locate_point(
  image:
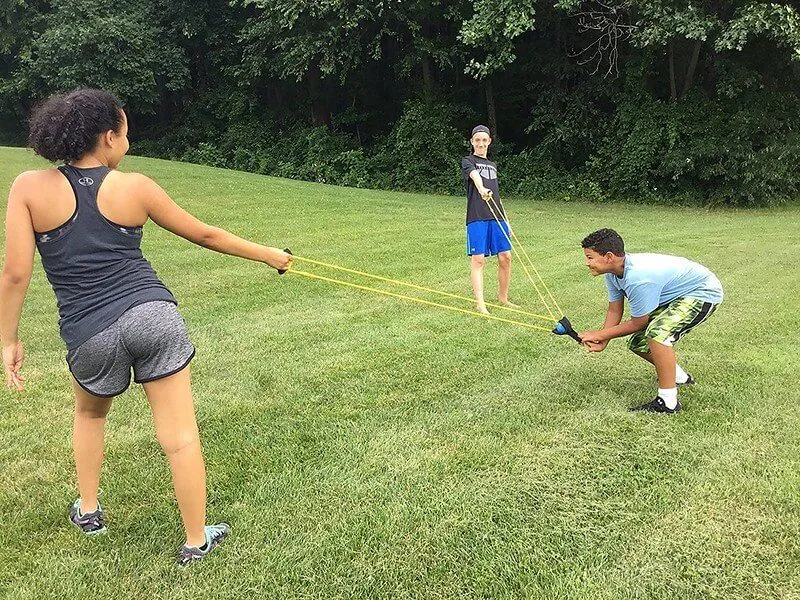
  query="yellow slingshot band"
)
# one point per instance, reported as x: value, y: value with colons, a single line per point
x: 496, y: 211
x: 419, y: 287
x: 412, y: 299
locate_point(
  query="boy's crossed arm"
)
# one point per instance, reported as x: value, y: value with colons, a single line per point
x: 597, y: 340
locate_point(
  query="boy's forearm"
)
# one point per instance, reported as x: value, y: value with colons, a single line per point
x: 621, y: 330
x: 613, y: 317
x: 12, y: 297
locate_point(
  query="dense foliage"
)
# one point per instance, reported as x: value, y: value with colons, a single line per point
x: 648, y: 100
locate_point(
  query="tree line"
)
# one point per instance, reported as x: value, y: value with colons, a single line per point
x: 644, y: 100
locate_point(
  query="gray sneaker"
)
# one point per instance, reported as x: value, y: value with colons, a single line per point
x: 91, y: 523
x: 214, y: 535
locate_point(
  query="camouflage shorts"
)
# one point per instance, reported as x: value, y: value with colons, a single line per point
x: 669, y: 322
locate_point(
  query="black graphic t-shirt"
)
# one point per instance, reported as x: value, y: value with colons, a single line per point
x: 477, y: 208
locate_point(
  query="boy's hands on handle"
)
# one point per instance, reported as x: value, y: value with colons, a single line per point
x: 489, y: 195
x: 595, y: 346
x: 13, y: 357
x: 593, y: 341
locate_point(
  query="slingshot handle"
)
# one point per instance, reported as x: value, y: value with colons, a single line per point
x: 564, y: 327
x: 282, y: 271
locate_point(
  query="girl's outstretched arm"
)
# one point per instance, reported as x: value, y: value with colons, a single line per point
x: 166, y: 213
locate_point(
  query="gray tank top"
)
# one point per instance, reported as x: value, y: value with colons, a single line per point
x: 95, y: 266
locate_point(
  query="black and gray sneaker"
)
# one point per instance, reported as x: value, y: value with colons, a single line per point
x: 90, y: 523
x: 214, y: 535
x: 689, y: 381
x: 657, y: 405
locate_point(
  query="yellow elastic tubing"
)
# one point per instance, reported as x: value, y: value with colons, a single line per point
x: 412, y: 299
x: 422, y: 288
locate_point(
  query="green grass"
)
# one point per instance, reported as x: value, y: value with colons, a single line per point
x: 364, y: 447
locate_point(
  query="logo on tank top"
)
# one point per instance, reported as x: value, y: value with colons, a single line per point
x: 86, y: 181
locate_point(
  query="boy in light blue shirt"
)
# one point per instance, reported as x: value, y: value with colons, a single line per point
x: 668, y: 296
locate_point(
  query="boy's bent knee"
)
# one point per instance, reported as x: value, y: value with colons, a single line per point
x: 652, y: 342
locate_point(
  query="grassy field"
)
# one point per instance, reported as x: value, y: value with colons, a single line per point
x: 366, y: 447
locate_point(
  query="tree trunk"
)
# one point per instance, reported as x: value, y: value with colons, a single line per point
x: 491, y: 112
x: 21, y: 113
x: 673, y: 94
x: 164, y: 112
x: 711, y: 79
x: 687, y: 82
x: 320, y: 114
x: 427, y: 77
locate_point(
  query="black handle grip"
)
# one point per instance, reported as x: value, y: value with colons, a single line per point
x: 564, y: 327
x: 574, y: 336
x: 282, y: 271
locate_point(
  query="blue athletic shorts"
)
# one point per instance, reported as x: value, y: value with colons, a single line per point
x: 486, y: 237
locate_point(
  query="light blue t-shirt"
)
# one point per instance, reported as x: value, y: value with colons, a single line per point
x: 653, y: 280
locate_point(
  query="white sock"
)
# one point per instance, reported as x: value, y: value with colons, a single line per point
x: 669, y: 396
x: 681, y: 376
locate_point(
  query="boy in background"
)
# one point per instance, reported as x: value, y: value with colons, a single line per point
x: 485, y: 236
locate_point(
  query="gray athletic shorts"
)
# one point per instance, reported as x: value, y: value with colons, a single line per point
x: 150, y: 338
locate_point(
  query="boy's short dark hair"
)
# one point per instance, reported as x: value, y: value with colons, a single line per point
x: 66, y: 126
x: 603, y: 241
